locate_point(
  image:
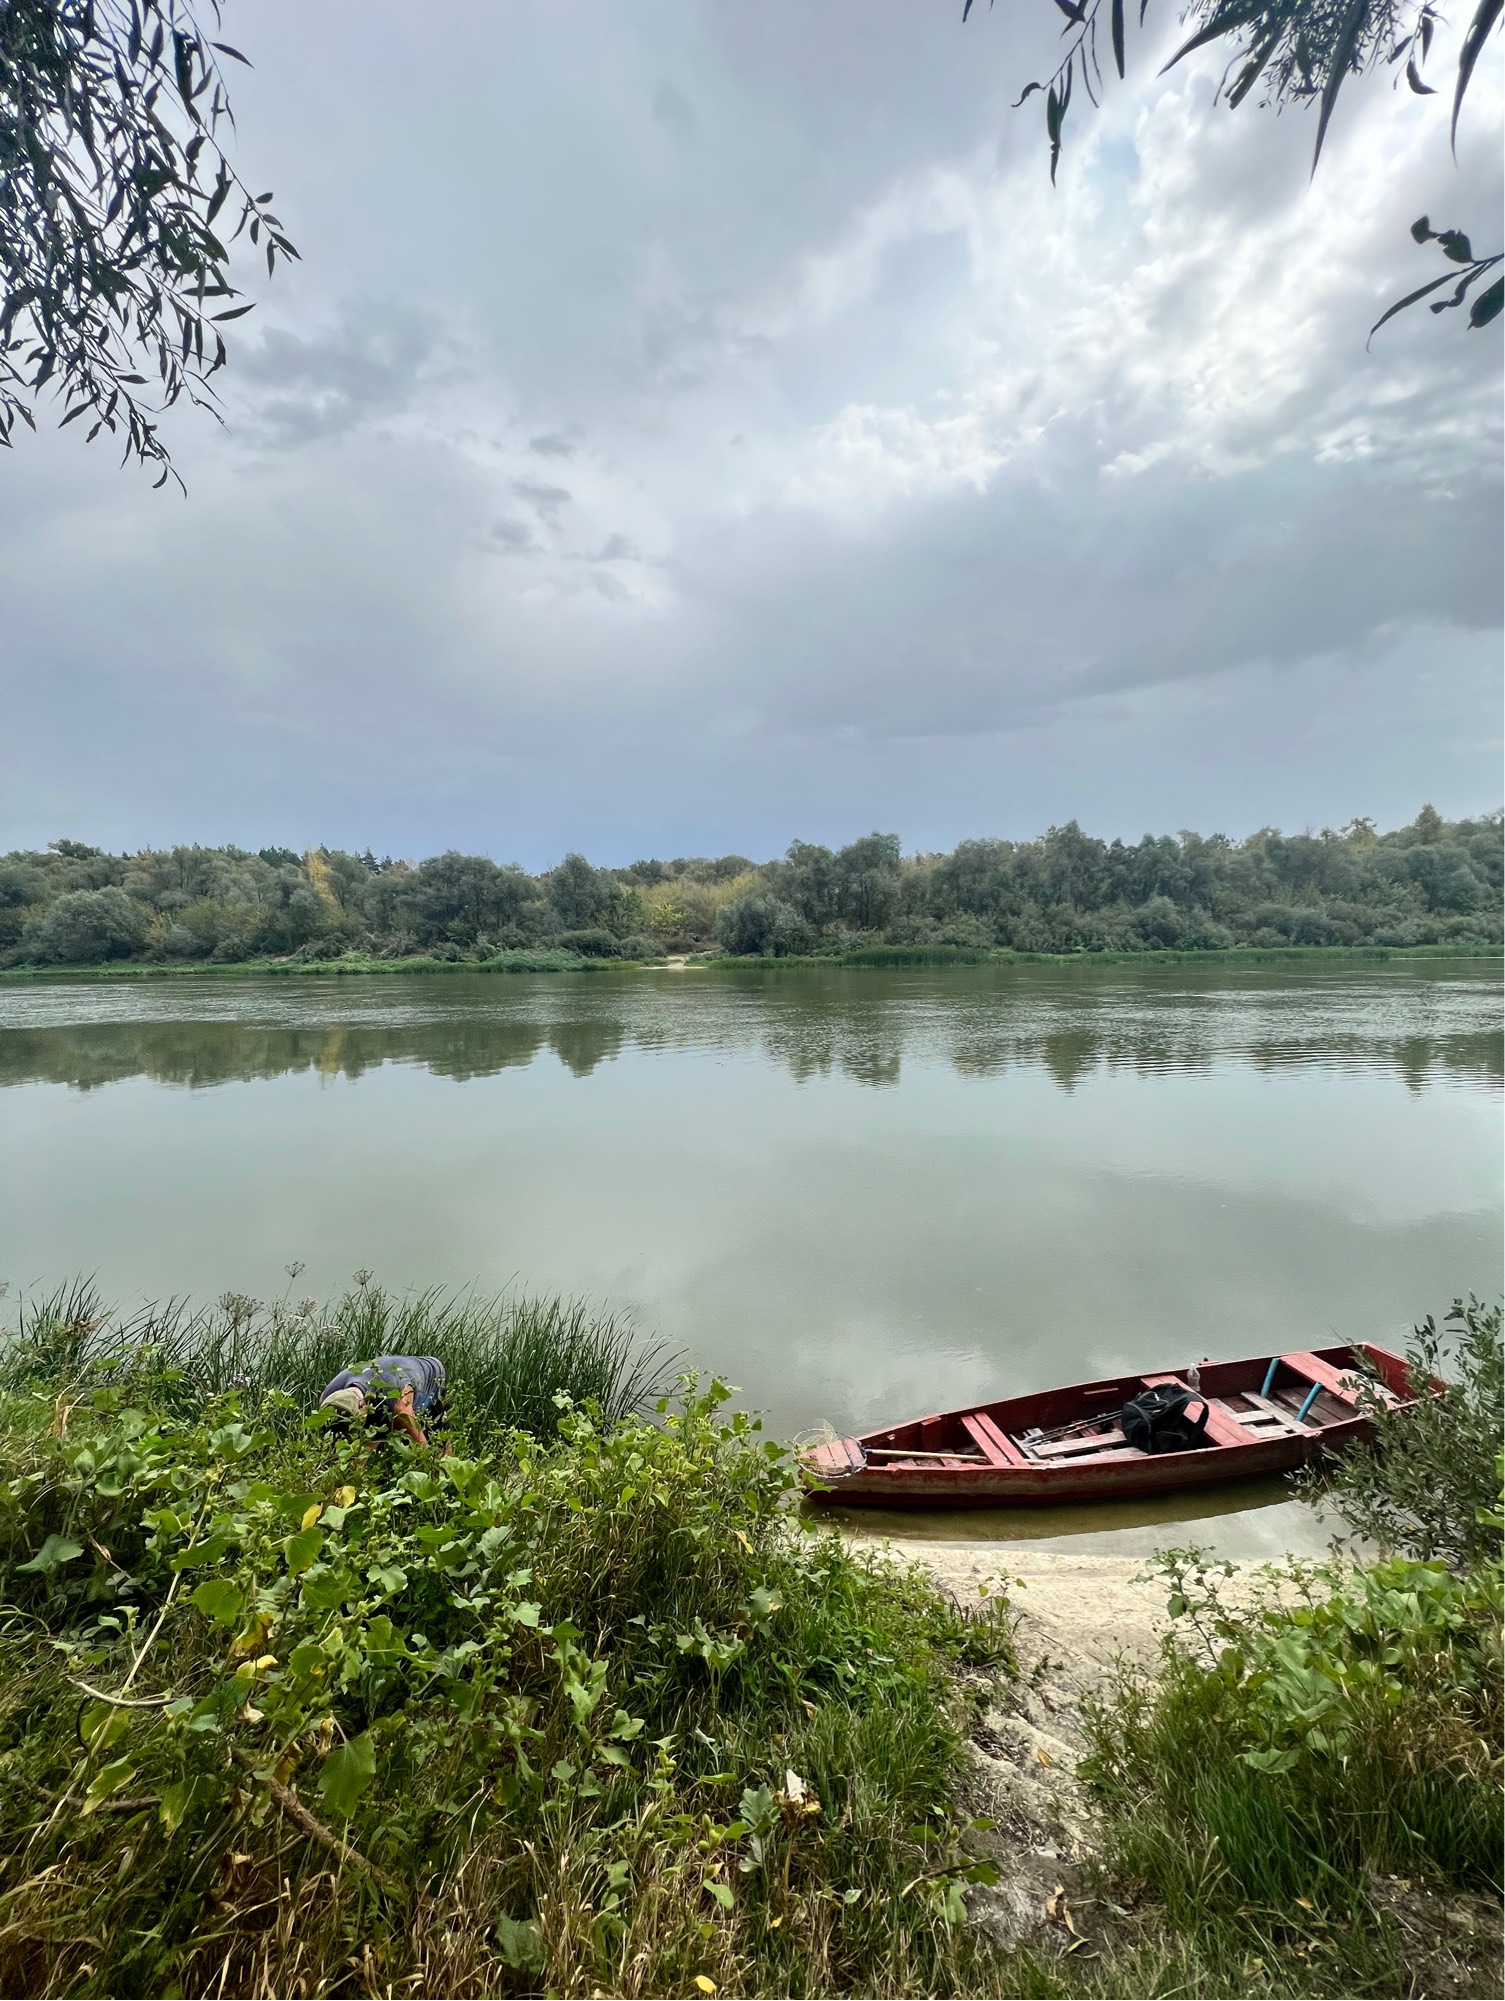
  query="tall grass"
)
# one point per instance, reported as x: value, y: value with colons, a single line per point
x: 1287, y: 1758
x: 507, y: 1356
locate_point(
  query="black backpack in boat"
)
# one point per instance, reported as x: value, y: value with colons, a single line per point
x: 1157, y: 1421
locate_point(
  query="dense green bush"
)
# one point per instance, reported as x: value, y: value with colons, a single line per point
x: 1289, y: 1753
x: 761, y: 925
x: 1430, y: 1483
x: 1285, y: 1760
x: 86, y: 927
x: 596, y: 1716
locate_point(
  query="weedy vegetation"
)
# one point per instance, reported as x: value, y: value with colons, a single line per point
x: 1291, y: 1763
x: 1427, y: 1486
x: 583, y: 1706
x: 508, y: 1356
x: 574, y: 1709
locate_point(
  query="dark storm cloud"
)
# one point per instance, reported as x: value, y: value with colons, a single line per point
x: 903, y: 489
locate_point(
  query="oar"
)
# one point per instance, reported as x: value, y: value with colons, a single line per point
x: 904, y: 1452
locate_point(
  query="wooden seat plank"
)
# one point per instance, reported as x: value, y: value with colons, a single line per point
x: 982, y: 1431
x: 1339, y: 1381
x: 1088, y: 1443
x: 1223, y: 1428
x: 1274, y: 1412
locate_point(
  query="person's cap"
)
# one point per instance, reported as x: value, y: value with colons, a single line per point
x: 351, y: 1402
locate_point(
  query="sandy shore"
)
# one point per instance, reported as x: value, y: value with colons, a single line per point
x: 1078, y: 1618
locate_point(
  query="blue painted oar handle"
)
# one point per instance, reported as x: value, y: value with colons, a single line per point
x: 1307, y: 1402
x: 1270, y: 1376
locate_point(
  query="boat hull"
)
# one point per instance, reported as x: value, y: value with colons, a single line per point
x: 1008, y: 1486
x: 1250, y: 1435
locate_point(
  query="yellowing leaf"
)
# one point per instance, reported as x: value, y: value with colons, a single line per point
x: 344, y: 1497
x: 743, y: 1537
x: 705, y: 1986
x: 310, y: 1516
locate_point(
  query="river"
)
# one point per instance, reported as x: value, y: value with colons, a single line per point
x: 858, y: 1194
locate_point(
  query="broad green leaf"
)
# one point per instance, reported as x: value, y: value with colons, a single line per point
x: 520, y: 1943
x: 346, y: 1773
x: 56, y: 1551
x: 210, y: 1550
x: 383, y: 1640
x: 302, y: 1549
x: 218, y: 1599
x: 324, y: 1588
x: 954, y: 1903
x: 186, y: 1793
x: 103, y: 1724
x: 756, y: 1806
x: 104, y: 1785
x: 721, y: 1892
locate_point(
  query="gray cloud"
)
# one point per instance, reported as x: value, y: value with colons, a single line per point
x: 616, y: 549
x: 296, y: 388
x: 674, y: 111
x: 554, y: 444
x: 904, y: 490
x: 547, y: 500
x: 515, y: 538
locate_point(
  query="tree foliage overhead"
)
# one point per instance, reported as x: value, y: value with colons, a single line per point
x: 118, y: 206
x: 1434, y: 882
x: 1296, y: 52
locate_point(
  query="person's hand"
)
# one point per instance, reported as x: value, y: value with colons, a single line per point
x: 403, y: 1418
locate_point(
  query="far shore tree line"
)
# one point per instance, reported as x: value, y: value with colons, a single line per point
x: 1434, y: 882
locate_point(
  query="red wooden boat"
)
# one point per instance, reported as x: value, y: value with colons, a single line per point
x: 1265, y: 1415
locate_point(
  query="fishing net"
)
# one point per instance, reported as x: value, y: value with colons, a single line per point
x: 808, y: 1443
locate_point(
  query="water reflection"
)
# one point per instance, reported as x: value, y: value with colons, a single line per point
x: 1245, y: 1521
x: 1422, y: 1024
x: 858, y: 1195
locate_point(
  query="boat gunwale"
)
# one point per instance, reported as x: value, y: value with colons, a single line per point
x: 1119, y: 1469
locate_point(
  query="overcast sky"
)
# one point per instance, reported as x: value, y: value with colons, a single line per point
x: 698, y: 423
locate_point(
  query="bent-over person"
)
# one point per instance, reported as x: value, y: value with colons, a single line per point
x: 402, y: 1392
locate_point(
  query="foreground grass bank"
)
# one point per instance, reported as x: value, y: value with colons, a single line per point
x: 584, y: 1707
x: 284, y: 1713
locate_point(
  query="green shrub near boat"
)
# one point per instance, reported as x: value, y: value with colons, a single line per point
x: 1430, y: 1483
x: 1289, y: 1759
x: 593, y: 1713
x: 1351, y: 1733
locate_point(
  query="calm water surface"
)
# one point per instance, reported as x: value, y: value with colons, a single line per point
x: 858, y: 1194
